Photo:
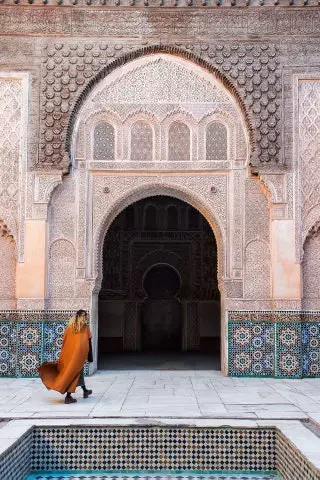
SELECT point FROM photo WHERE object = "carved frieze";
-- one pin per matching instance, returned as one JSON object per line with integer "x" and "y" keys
{"x": 233, "y": 23}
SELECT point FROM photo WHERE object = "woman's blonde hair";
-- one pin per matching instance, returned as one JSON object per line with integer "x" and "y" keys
{"x": 78, "y": 321}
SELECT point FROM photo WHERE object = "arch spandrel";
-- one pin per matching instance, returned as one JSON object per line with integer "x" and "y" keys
{"x": 161, "y": 84}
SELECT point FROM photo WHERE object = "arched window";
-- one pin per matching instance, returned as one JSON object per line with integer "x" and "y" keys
{"x": 179, "y": 142}
{"x": 141, "y": 142}
{"x": 104, "y": 142}
{"x": 172, "y": 218}
{"x": 150, "y": 218}
{"x": 216, "y": 142}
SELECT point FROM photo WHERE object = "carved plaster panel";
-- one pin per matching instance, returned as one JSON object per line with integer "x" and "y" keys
{"x": 61, "y": 270}
{"x": 145, "y": 84}
{"x": 62, "y": 211}
{"x": 13, "y": 152}
{"x": 276, "y": 185}
{"x": 237, "y": 225}
{"x": 86, "y": 19}
{"x": 257, "y": 257}
{"x": 257, "y": 264}
{"x": 45, "y": 184}
{"x": 160, "y": 89}
{"x": 309, "y": 152}
{"x": 8, "y": 268}
{"x": 257, "y": 215}
{"x": 311, "y": 267}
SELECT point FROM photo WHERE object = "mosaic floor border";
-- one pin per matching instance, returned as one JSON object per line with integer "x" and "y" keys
{"x": 162, "y": 476}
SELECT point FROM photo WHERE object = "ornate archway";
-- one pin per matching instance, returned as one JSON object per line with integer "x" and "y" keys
{"x": 134, "y": 316}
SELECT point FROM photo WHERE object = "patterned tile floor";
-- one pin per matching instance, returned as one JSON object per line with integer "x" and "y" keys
{"x": 155, "y": 477}
{"x": 173, "y": 389}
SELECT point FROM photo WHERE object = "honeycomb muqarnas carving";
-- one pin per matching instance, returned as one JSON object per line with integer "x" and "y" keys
{"x": 255, "y": 71}
{"x": 68, "y": 68}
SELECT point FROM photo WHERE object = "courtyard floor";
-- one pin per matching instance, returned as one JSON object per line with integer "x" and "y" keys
{"x": 166, "y": 393}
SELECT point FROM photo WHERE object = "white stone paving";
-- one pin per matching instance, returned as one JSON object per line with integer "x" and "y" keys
{"x": 166, "y": 393}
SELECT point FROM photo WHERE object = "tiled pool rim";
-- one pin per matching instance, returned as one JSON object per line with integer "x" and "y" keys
{"x": 41, "y": 447}
{"x": 152, "y": 476}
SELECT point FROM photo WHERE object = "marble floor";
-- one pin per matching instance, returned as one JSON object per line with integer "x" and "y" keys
{"x": 169, "y": 392}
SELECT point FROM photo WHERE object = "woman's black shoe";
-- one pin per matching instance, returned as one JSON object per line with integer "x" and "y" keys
{"x": 86, "y": 393}
{"x": 70, "y": 400}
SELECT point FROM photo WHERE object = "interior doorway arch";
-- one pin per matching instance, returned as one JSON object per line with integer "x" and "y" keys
{"x": 159, "y": 290}
{"x": 161, "y": 315}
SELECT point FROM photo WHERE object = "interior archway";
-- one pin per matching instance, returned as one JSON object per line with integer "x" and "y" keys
{"x": 159, "y": 292}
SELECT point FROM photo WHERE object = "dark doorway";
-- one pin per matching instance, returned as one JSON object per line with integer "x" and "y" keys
{"x": 161, "y": 325}
{"x": 159, "y": 291}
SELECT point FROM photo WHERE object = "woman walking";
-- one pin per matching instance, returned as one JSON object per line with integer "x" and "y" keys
{"x": 66, "y": 375}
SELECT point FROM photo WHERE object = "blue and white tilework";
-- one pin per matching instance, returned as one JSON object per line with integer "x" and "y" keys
{"x": 281, "y": 344}
{"x": 28, "y": 338}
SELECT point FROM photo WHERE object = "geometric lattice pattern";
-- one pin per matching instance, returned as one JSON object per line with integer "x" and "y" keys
{"x": 130, "y": 453}
{"x": 288, "y": 348}
{"x": 141, "y": 142}
{"x": 104, "y": 142}
{"x": 279, "y": 344}
{"x": 179, "y": 142}
{"x": 109, "y": 448}
{"x": 29, "y": 346}
{"x": 290, "y": 464}
{"x": 10, "y": 119}
{"x": 8, "y": 349}
{"x": 251, "y": 349}
{"x": 15, "y": 463}
{"x": 310, "y": 339}
{"x": 25, "y": 344}
{"x": 309, "y": 147}
{"x": 216, "y": 142}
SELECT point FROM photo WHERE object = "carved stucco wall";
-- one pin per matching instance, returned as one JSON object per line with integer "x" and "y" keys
{"x": 309, "y": 152}
{"x": 61, "y": 276}
{"x": 88, "y": 200}
{"x": 311, "y": 271}
{"x": 8, "y": 267}
{"x": 159, "y": 91}
{"x": 13, "y": 121}
{"x": 308, "y": 162}
{"x": 61, "y": 271}
{"x": 13, "y": 110}
{"x": 251, "y": 70}
{"x": 257, "y": 280}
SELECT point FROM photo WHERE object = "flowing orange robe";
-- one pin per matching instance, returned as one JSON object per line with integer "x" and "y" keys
{"x": 63, "y": 375}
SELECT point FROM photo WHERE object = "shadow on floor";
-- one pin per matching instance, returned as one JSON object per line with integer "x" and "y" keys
{"x": 158, "y": 361}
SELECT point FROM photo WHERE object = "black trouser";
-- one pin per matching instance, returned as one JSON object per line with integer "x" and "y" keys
{"x": 81, "y": 380}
